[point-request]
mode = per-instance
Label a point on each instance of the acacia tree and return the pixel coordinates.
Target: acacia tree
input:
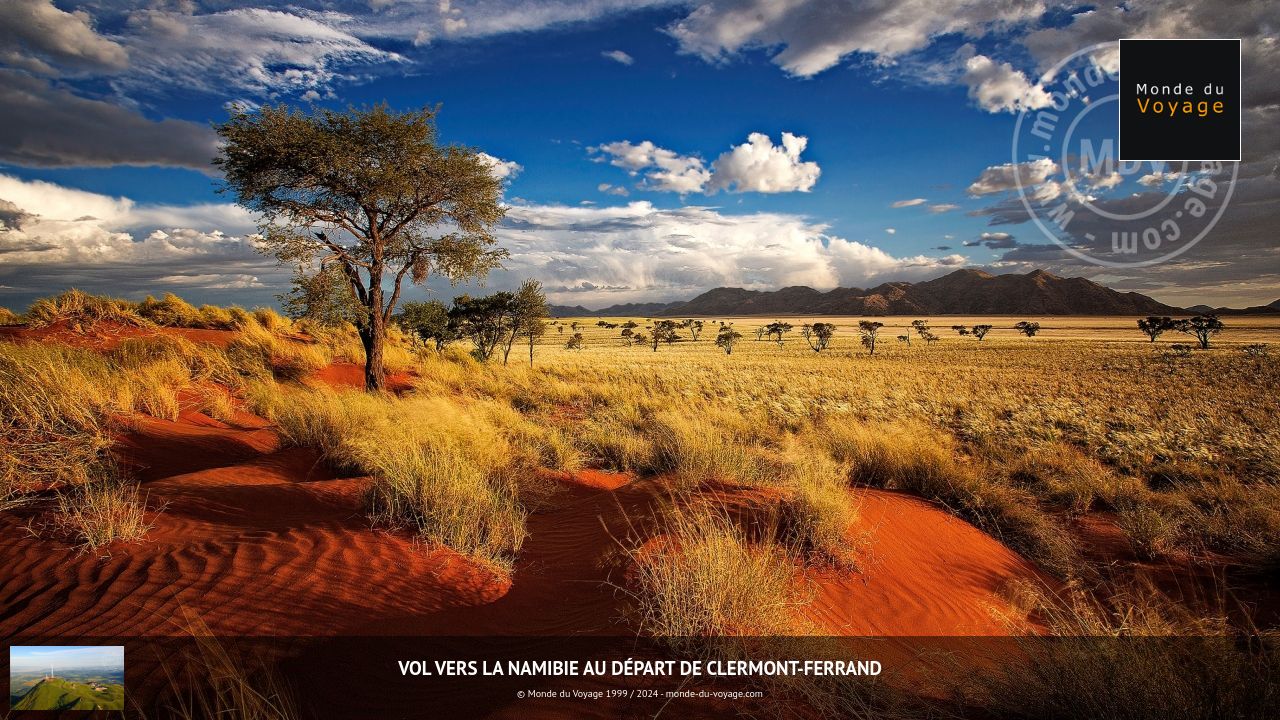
(869, 330)
(695, 329)
(776, 330)
(429, 321)
(1153, 326)
(369, 191)
(818, 335)
(487, 321)
(1203, 327)
(980, 331)
(663, 331)
(726, 338)
(921, 327)
(1026, 327)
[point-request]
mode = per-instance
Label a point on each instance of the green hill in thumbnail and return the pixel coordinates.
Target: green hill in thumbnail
(59, 694)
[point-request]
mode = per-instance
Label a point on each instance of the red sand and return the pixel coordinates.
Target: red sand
(351, 375)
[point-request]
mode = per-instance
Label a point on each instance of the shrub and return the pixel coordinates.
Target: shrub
(272, 321)
(170, 311)
(50, 426)
(82, 311)
(101, 512)
(9, 317)
(705, 579)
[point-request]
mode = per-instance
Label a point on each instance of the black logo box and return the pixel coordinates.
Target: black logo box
(1180, 137)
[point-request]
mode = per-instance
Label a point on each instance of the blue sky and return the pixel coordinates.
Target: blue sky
(65, 657)
(651, 154)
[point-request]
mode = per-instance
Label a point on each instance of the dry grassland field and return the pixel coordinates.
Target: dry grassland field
(174, 471)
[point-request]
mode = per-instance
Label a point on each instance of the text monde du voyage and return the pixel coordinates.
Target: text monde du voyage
(1179, 99)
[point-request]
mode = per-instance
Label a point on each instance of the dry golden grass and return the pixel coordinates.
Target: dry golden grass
(101, 512)
(706, 578)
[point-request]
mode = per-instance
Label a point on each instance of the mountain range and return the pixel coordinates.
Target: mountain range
(963, 292)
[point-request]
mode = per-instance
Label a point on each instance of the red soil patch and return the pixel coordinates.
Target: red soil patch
(351, 375)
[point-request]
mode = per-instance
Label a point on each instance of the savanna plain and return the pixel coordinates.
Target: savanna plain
(168, 469)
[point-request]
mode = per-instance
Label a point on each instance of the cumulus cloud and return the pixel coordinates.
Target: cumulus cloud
(660, 168)
(619, 56)
(809, 37)
(35, 35)
(610, 189)
(998, 87)
(639, 252)
(997, 240)
(1002, 178)
(907, 203)
(754, 166)
(50, 127)
(760, 166)
(502, 169)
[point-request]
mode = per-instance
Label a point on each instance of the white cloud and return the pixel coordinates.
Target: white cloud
(619, 57)
(502, 169)
(112, 244)
(639, 252)
(754, 166)
(943, 207)
(1002, 178)
(609, 189)
(760, 166)
(908, 203)
(35, 33)
(661, 169)
(891, 231)
(997, 87)
(252, 50)
(809, 36)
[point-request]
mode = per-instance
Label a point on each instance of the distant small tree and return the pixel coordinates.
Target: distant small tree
(487, 321)
(1154, 326)
(980, 331)
(559, 328)
(528, 317)
(905, 339)
(1203, 327)
(726, 338)
(631, 324)
(1027, 328)
(664, 331)
(639, 338)
(818, 335)
(574, 342)
(960, 329)
(760, 331)
(429, 321)
(921, 327)
(869, 330)
(776, 330)
(930, 338)
(626, 335)
(695, 329)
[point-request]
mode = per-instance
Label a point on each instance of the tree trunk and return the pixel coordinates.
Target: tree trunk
(374, 335)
